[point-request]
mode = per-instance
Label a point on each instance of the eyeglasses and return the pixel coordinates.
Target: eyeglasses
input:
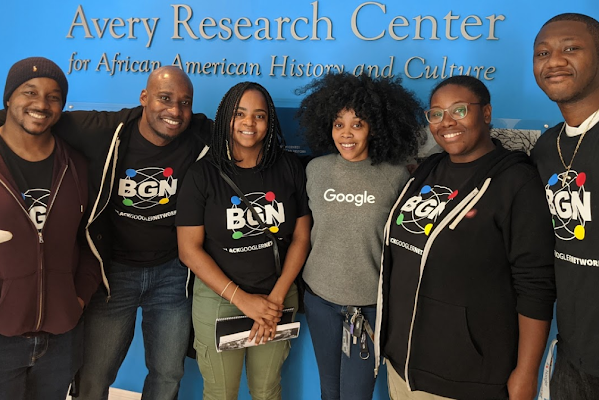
(456, 111)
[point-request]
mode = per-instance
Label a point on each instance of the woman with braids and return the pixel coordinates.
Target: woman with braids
(230, 255)
(371, 126)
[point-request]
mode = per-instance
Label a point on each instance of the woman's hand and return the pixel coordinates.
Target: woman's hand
(262, 333)
(265, 333)
(264, 312)
(522, 385)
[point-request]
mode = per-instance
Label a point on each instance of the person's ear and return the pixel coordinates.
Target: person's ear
(487, 113)
(143, 98)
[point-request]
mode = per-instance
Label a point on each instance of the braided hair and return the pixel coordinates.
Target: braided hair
(222, 145)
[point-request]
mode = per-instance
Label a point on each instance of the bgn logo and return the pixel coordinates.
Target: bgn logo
(419, 212)
(241, 221)
(569, 203)
(147, 187)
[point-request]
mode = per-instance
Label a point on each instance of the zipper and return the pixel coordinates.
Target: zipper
(41, 238)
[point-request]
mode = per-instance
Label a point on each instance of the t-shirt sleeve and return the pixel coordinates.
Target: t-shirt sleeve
(300, 188)
(530, 249)
(191, 202)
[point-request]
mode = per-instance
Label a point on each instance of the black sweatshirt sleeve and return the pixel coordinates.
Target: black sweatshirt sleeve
(530, 240)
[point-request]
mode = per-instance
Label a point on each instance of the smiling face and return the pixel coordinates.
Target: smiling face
(167, 102)
(350, 135)
(249, 126)
(566, 61)
(35, 106)
(465, 139)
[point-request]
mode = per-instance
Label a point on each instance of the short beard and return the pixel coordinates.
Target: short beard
(575, 98)
(165, 137)
(34, 133)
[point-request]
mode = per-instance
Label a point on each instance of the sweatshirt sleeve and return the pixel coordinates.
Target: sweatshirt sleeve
(91, 132)
(530, 247)
(88, 276)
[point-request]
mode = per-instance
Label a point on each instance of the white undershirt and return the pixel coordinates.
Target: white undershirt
(586, 125)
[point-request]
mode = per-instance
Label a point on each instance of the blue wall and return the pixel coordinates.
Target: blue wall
(495, 37)
(69, 33)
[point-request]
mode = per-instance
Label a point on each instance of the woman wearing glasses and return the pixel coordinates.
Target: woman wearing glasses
(467, 277)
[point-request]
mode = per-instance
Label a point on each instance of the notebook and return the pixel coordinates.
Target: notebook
(232, 333)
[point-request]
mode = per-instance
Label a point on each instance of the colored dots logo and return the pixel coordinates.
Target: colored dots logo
(147, 187)
(419, 213)
(579, 232)
(400, 218)
(569, 204)
(242, 222)
(427, 229)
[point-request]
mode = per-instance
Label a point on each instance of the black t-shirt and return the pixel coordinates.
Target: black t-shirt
(574, 206)
(232, 236)
(411, 224)
(143, 202)
(34, 180)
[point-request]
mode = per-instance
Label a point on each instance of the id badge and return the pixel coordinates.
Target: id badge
(346, 339)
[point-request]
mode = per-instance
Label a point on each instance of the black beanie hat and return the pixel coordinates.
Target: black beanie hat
(34, 67)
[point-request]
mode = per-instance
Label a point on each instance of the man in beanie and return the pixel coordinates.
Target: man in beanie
(47, 272)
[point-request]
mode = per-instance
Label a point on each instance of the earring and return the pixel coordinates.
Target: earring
(228, 152)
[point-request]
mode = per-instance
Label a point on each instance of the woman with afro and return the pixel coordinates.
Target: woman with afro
(370, 127)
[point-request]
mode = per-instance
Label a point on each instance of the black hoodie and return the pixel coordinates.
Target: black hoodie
(486, 256)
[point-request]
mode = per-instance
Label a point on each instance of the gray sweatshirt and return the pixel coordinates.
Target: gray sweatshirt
(350, 203)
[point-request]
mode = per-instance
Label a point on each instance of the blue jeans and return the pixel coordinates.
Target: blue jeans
(570, 383)
(161, 292)
(341, 377)
(39, 367)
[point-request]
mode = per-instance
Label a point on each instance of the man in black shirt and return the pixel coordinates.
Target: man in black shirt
(138, 158)
(566, 68)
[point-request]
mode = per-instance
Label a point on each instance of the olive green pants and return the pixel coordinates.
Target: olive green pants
(222, 371)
